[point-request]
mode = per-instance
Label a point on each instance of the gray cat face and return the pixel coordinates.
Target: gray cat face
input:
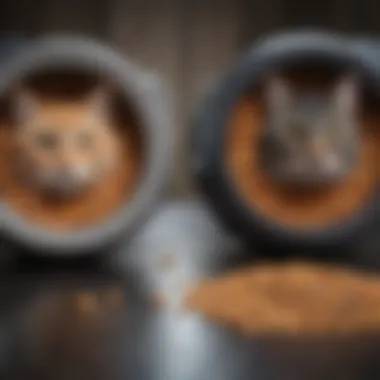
(311, 136)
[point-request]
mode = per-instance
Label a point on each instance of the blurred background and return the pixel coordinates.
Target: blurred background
(190, 43)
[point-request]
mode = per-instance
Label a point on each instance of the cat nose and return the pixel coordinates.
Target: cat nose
(66, 172)
(81, 171)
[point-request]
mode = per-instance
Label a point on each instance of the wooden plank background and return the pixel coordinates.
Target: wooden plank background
(189, 43)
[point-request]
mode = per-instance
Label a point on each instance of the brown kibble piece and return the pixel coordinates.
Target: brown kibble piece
(115, 297)
(159, 300)
(87, 302)
(291, 298)
(166, 261)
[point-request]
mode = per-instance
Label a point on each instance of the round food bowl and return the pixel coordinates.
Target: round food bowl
(142, 100)
(224, 152)
(9, 44)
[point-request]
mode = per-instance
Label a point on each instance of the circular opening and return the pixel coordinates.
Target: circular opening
(294, 206)
(59, 96)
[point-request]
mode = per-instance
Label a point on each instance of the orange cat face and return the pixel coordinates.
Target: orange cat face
(65, 146)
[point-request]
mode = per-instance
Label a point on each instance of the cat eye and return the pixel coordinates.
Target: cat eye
(47, 140)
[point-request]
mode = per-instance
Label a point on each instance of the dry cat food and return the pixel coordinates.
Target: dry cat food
(292, 205)
(110, 151)
(291, 298)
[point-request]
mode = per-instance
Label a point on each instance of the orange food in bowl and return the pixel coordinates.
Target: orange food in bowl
(97, 204)
(292, 206)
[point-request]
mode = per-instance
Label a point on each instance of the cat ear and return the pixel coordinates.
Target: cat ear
(277, 96)
(346, 96)
(24, 105)
(98, 102)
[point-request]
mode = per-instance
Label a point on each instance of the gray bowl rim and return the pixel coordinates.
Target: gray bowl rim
(273, 52)
(146, 94)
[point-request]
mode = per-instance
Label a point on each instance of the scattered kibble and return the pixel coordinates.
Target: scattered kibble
(291, 298)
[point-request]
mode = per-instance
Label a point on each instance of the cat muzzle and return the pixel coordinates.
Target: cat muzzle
(311, 176)
(67, 182)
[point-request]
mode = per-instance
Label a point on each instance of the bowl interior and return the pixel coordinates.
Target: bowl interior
(290, 206)
(104, 198)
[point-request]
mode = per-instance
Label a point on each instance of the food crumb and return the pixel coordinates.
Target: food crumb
(87, 302)
(159, 300)
(166, 261)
